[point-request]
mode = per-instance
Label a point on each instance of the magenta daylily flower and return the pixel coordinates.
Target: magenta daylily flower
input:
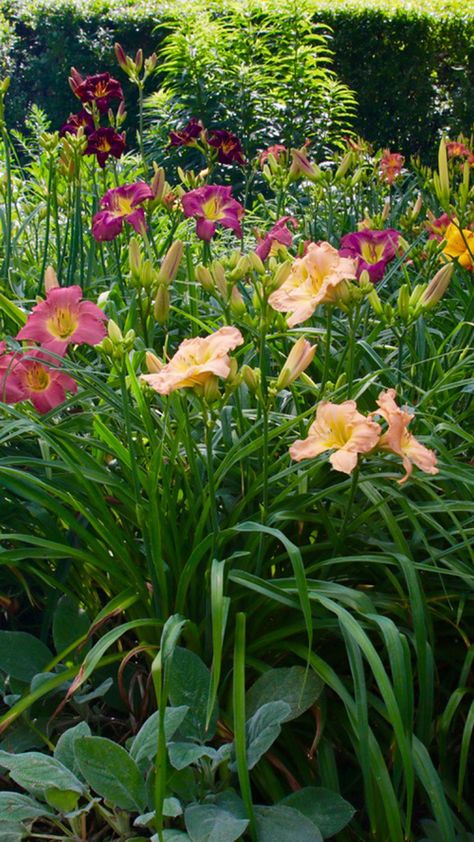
(371, 250)
(100, 88)
(37, 381)
(228, 146)
(119, 204)
(103, 142)
(64, 319)
(280, 233)
(213, 205)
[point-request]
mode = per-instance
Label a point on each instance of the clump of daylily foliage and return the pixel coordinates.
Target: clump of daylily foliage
(209, 387)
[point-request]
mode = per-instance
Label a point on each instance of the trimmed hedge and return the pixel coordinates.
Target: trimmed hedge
(412, 69)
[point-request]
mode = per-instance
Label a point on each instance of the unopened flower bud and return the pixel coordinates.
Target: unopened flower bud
(205, 278)
(281, 274)
(218, 273)
(237, 303)
(158, 182)
(162, 304)
(139, 60)
(256, 263)
(437, 287)
(386, 209)
(375, 302)
(171, 262)
(134, 256)
(297, 361)
(404, 301)
(153, 363)
(107, 346)
(114, 332)
(251, 378)
(417, 207)
(121, 57)
(50, 279)
(343, 166)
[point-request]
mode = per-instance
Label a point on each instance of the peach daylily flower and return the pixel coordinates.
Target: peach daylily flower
(341, 428)
(460, 246)
(313, 280)
(196, 362)
(398, 440)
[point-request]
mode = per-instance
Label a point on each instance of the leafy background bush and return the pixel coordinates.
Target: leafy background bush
(412, 69)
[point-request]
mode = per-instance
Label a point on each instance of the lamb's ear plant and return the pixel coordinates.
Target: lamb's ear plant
(90, 782)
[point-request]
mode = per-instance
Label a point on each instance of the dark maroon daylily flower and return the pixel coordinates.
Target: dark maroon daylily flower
(77, 121)
(229, 149)
(118, 205)
(371, 250)
(213, 205)
(280, 233)
(105, 142)
(189, 135)
(101, 89)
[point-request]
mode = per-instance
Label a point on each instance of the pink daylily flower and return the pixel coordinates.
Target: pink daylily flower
(280, 233)
(196, 362)
(213, 205)
(31, 377)
(64, 318)
(399, 440)
(371, 250)
(119, 204)
(314, 279)
(10, 389)
(342, 429)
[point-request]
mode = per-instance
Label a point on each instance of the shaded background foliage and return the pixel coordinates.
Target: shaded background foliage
(412, 71)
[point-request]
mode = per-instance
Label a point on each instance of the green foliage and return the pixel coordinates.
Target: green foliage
(411, 68)
(268, 79)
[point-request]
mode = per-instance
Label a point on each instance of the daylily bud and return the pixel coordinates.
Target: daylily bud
(134, 256)
(234, 378)
(386, 209)
(103, 298)
(139, 60)
(301, 167)
(256, 263)
(437, 287)
(158, 181)
(297, 361)
(417, 206)
(106, 346)
(121, 57)
(237, 303)
(404, 301)
(114, 332)
(50, 279)
(150, 63)
(375, 302)
(281, 274)
(171, 262)
(5, 84)
(441, 178)
(251, 377)
(218, 273)
(205, 278)
(343, 166)
(153, 363)
(162, 304)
